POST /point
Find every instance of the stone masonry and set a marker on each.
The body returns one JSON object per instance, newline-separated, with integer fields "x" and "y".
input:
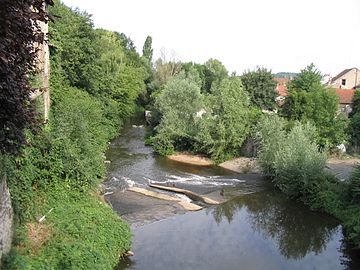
{"x": 6, "y": 219}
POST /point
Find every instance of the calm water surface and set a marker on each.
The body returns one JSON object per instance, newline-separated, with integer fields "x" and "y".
{"x": 257, "y": 228}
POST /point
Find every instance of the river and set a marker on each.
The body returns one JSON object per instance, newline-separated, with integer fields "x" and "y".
{"x": 256, "y": 228}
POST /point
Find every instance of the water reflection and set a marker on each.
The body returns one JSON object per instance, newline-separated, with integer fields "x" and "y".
{"x": 296, "y": 230}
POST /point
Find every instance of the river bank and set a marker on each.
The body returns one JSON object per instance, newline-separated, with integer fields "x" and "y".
{"x": 253, "y": 220}
{"x": 341, "y": 167}
{"x": 242, "y": 165}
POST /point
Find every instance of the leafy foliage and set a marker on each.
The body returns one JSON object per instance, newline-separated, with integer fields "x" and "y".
{"x": 309, "y": 101}
{"x": 102, "y": 62}
{"x": 96, "y": 78}
{"x": 296, "y": 166}
{"x": 354, "y": 125}
{"x": 72, "y": 38}
{"x": 355, "y": 186}
{"x": 260, "y": 86}
{"x": 19, "y": 31}
{"x": 226, "y": 124}
{"x": 270, "y": 134}
{"x": 147, "y": 49}
{"x": 71, "y": 242}
{"x": 214, "y": 124}
{"x": 214, "y": 72}
{"x": 178, "y": 104}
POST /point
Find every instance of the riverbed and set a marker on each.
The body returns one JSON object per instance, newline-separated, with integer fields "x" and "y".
{"x": 255, "y": 227}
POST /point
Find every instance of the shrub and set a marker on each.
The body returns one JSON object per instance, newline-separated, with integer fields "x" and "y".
{"x": 81, "y": 233}
{"x": 270, "y": 136}
{"x": 354, "y": 187}
{"x": 354, "y": 131}
{"x": 298, "y": 164}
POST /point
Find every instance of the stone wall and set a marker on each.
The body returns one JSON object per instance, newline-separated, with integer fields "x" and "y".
{"x": 6, "y": 218}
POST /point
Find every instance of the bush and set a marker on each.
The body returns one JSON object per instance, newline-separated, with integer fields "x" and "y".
{"x": 270, "y": 135}
{"x": 298, "y": 164}
{"x": 354, "y": 188}
{"x": 58, "y": 169}
{"x": 354, "y": 131}
{"x": 80, "y": 233}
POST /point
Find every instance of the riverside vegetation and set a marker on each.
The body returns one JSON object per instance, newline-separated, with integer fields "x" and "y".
{"x": 293, "y": 144}
{"x": 97, "y": 78}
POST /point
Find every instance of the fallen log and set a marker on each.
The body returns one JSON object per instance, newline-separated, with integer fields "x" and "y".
{"x": 186, "y": 205}
{"x": 192, "y": 195}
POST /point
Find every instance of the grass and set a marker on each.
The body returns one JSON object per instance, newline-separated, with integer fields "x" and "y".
{"x": 82, "y": 232}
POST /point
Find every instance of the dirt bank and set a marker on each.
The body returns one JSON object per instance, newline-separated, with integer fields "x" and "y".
{"x": 342, "y": 167}
{"x": 191, "y": 159}
{"x": 242, "y": 165}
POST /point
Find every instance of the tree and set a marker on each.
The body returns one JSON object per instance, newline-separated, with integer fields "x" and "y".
{"x": 310, "y": 101}
{"x": 166, "y": 67}
{"x": 356, "y": 104}
{"x": 20, "y": 30}
{"x": 74, "y": 46}
{"x": 354, "y": 125}
{"x": 178, "y": 104}
{"x": 214, "y": 72}
{"x": 117, "y": 77}
{"x": 260, "y": 86}
{"x": 147, "y": 49}
{"x": 226, "y": 124}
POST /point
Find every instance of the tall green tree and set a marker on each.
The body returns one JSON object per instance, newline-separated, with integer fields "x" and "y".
{"x": 73, "y": 51}
{"x": 310, "y": 101}
{"x": 178, "y": 104}
{"x": 226, "y": 123}
{"x": 260, "y": 86}
{"x": 214, "y": 73}
{"x": 147, "y": 49}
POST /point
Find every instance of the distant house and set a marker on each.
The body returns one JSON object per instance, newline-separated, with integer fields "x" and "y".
{"x": 345, "y": 99}
{"x": 281, "y": 89}
{"x": 347, "y": 79}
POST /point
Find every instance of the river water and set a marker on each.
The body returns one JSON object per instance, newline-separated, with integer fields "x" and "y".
{"x": 256, "y": 228}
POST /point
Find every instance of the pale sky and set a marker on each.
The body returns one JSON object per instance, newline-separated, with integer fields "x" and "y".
{"x": 282, "y": 35}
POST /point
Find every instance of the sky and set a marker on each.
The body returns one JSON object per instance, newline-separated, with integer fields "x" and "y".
{"x": 281, "y": 35}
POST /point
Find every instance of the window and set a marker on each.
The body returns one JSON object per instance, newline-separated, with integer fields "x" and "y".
{"x": 343, "y": 82}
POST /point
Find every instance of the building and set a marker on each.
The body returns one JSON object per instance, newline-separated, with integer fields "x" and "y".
{"x": 281, "y": 89}
{"x": 347, "y": 79}
{"x": 345, "y": 99}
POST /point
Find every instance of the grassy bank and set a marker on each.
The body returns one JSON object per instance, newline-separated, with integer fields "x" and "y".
{"x": 81, "y": 232}
{"x": 60, "y": 169}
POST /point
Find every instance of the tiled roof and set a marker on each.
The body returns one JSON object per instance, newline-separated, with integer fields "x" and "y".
{"x": 281, "y": 87}
{"x": 345, "y": 95}
{"x": 282, "y": 90}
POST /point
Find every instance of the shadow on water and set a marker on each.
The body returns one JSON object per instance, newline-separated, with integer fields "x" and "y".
{"x": 262, "y": 230}
{"x": 295, "y": 230}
